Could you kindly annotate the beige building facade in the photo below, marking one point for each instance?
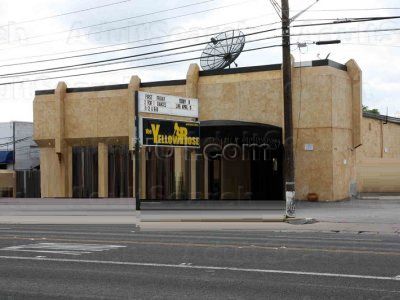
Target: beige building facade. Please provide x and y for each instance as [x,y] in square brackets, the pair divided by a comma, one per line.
[378,160]
[86,137]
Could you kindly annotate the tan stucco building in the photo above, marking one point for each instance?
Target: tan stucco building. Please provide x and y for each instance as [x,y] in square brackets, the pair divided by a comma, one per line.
[86,137]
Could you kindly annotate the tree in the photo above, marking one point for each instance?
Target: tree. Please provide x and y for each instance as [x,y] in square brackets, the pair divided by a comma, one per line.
[371,110]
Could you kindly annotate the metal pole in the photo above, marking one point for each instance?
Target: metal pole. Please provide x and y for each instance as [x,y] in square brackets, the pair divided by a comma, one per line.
[137,154]
[14,146]
[287,99]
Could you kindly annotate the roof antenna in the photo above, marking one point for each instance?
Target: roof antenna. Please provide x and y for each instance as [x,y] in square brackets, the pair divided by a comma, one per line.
[387,117]
[329,54]
[222,50]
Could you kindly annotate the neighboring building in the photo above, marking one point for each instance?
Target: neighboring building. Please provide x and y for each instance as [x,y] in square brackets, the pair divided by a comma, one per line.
[18,151]
[378,160]
[86,137]
[19,154]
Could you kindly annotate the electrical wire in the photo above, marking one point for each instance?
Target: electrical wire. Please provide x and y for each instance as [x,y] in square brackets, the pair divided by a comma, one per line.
[118,20]
[187,46]
[337,21]
[348,20]
[352,9]
[346,32]
[132,48]
[16,141]
[132,56]
[142,40]
[36,72]
[184,60]
[125,68]
[133,25]
[371,45]
[69,13]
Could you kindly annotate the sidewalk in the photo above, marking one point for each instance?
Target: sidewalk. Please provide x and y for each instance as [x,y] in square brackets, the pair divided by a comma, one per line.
[67,211]
[371,216]
[380,215]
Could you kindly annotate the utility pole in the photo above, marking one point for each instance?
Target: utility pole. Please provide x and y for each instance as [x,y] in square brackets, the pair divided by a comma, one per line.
[287,103]
[288,167]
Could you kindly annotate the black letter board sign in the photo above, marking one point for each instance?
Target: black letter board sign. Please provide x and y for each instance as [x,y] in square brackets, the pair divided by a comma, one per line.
[171,133]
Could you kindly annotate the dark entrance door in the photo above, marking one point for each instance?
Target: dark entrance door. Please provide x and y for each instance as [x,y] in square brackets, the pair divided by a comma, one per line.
[266,177]
[244,160]
[214,178]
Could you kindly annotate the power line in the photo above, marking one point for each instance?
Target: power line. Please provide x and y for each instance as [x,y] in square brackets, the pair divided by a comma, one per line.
[184,60]
[147,39]
[373,45]
[16,141]
[349,20]
[337,21]
[36,72]
[131,56]
[128,48]
[69,13]
[119,20]
[125,68]
[142,40]
[346,32]
[176,48]
[355,9]
[133,25]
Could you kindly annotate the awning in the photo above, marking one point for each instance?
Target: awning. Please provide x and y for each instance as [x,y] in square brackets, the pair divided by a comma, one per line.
[6,157]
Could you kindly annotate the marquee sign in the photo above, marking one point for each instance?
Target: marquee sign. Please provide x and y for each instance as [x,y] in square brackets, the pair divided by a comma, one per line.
[168,105]
[171,133]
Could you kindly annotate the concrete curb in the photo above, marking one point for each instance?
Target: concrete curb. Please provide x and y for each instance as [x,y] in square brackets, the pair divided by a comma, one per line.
[283,219]
[216,220]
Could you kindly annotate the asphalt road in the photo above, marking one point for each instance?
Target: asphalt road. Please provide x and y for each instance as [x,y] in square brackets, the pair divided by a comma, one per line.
[122,262]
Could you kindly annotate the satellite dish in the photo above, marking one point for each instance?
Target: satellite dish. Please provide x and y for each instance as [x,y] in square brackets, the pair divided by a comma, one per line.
[222,51]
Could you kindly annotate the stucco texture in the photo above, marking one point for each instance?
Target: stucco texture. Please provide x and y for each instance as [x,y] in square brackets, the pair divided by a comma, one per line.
[326,105]
[378,159]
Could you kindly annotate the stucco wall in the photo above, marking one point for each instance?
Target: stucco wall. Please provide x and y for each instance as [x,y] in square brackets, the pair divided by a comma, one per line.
[378,159]
[248,97]
[323,101]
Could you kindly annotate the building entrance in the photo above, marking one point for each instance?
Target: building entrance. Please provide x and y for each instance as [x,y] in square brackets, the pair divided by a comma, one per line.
[236,161]
[242,161]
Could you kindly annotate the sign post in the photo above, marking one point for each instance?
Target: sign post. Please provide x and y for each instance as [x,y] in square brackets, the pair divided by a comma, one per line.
[137,149]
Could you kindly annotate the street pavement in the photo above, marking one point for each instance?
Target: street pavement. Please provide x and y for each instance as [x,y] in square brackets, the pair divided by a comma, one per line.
[124,262]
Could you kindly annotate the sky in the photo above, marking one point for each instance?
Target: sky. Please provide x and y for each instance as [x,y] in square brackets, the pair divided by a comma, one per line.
[48,29]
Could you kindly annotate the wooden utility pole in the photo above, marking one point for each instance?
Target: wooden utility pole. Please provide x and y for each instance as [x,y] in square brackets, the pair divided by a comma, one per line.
[287,100]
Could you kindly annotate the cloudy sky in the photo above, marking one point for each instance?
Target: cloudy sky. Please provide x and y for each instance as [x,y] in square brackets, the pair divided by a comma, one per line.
[53,29]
